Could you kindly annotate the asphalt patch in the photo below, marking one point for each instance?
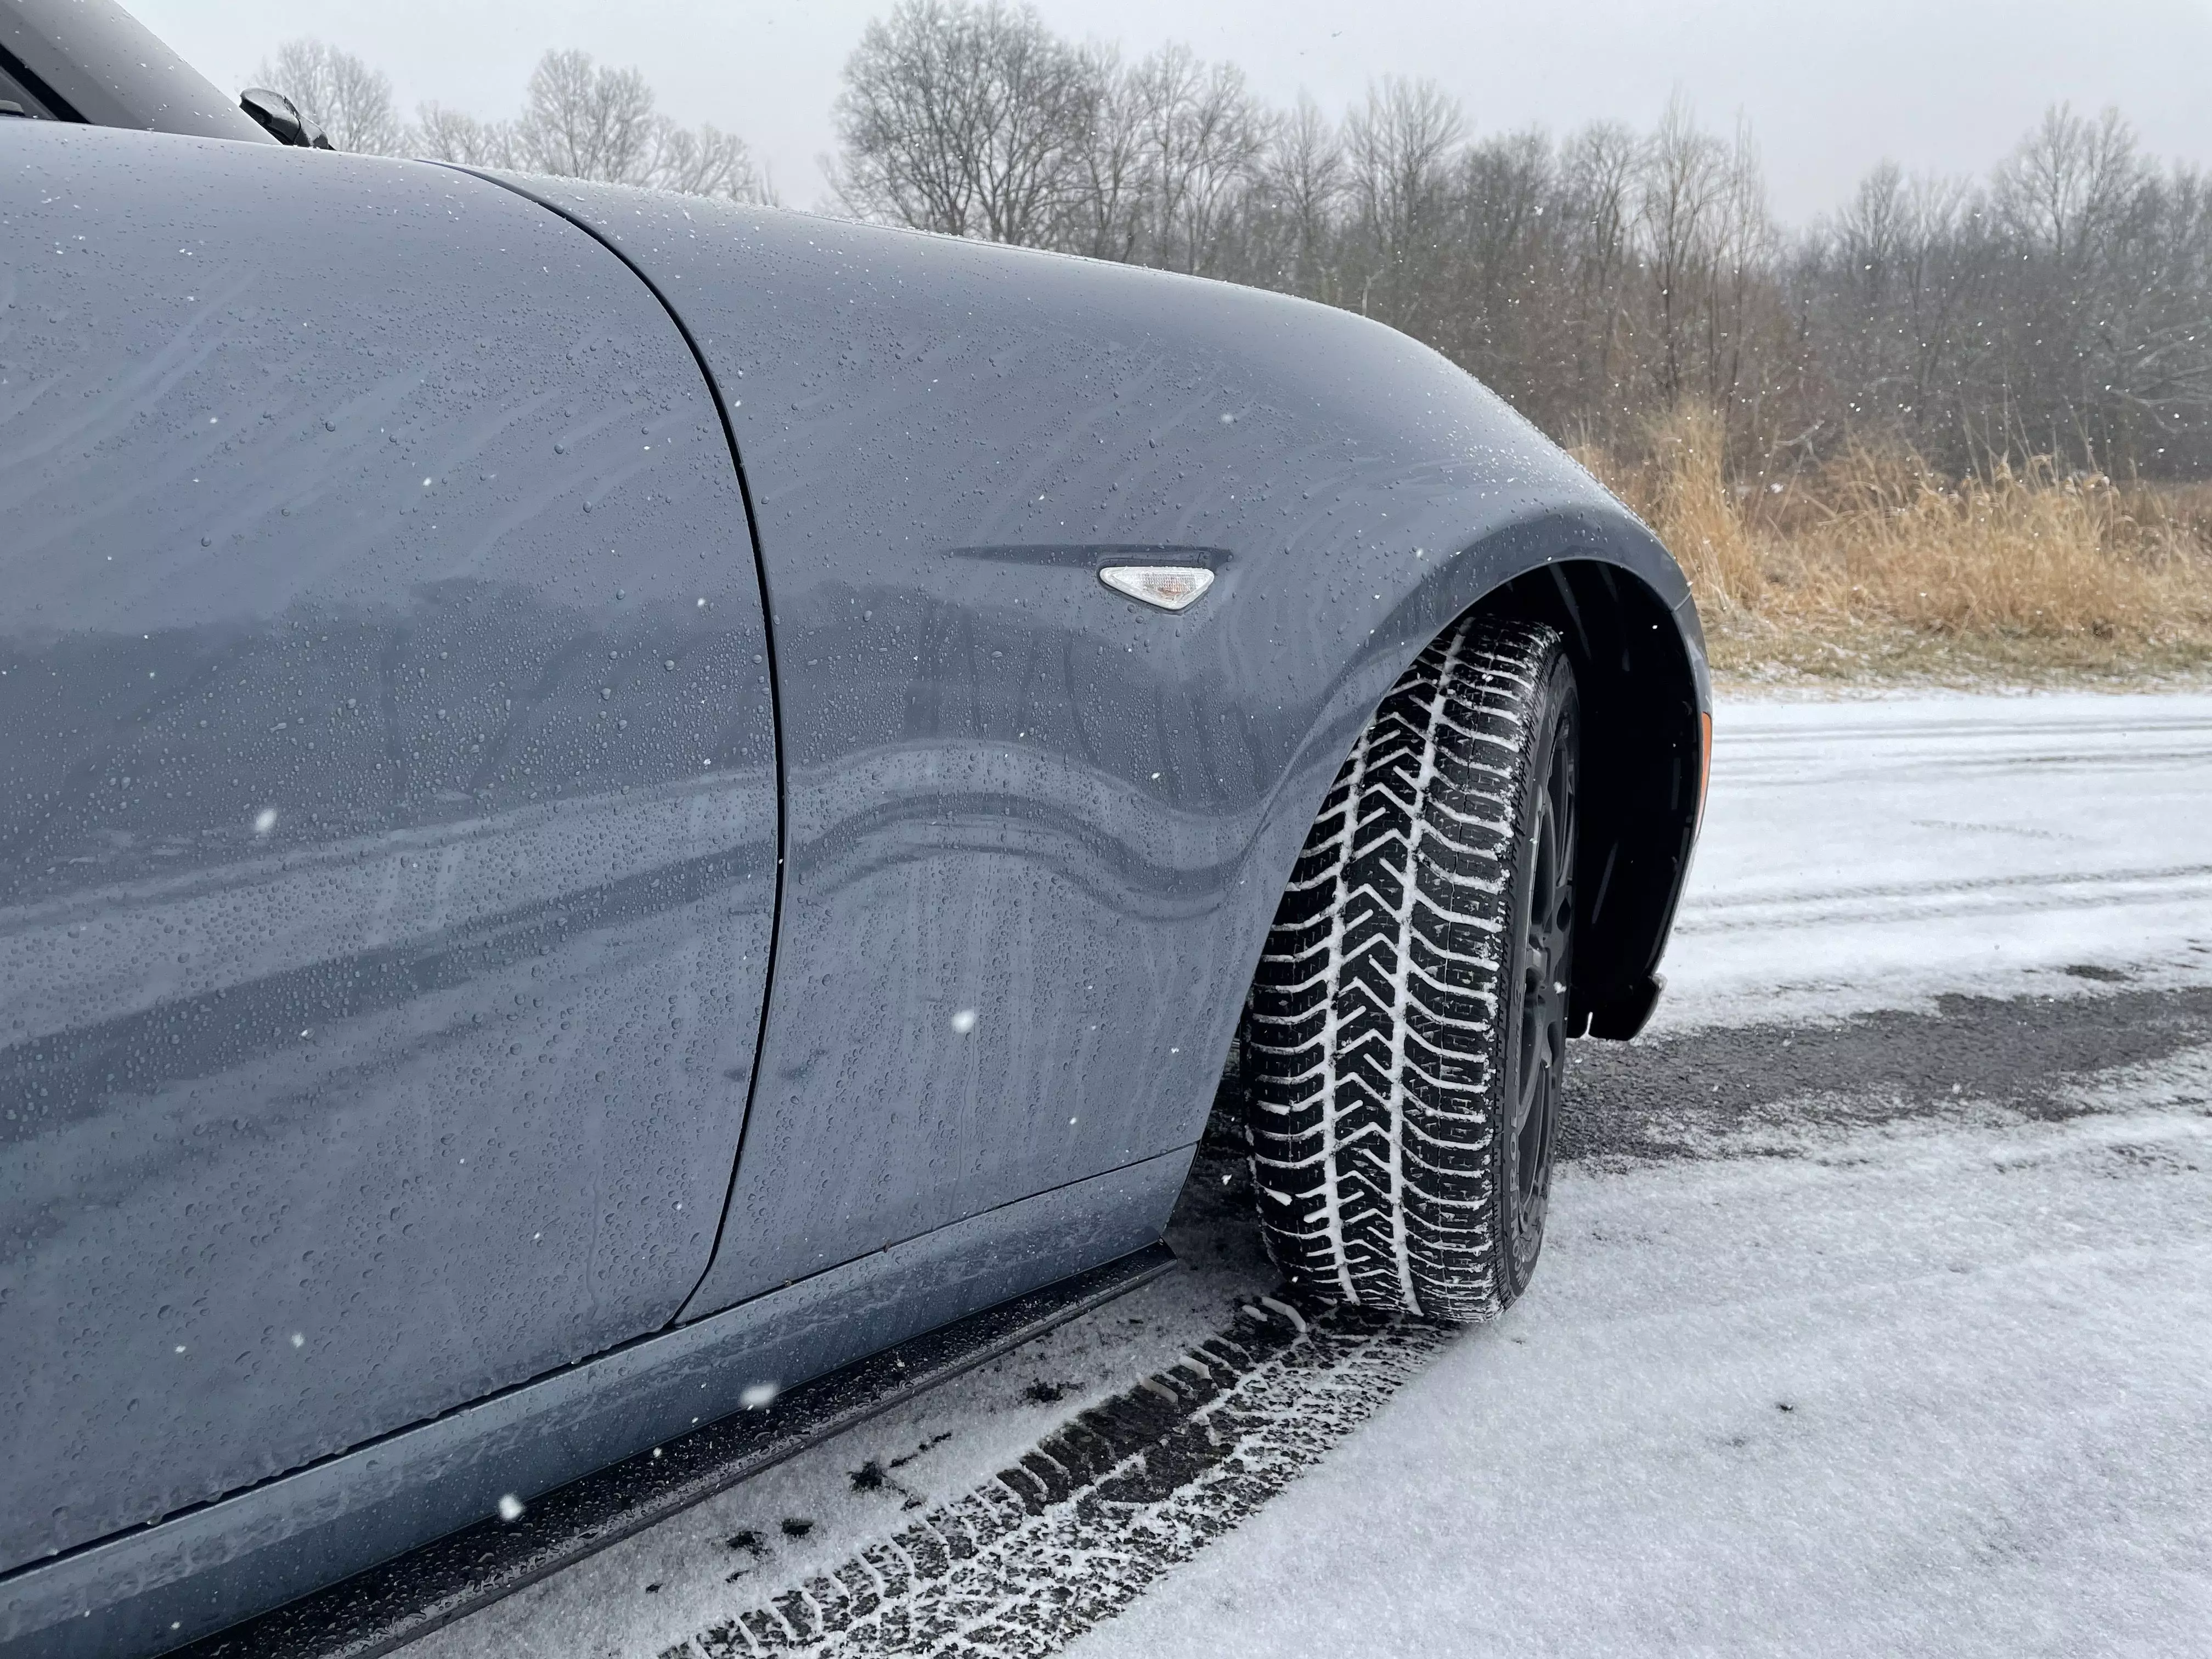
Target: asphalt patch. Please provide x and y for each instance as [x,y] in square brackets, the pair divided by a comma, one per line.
[1673,1095]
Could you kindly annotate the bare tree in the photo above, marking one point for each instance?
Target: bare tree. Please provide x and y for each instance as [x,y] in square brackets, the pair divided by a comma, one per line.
[1888,281]
[1200,137]
[1595,209]
[351,102]
[2083,211]
[582,119]
[2071,185]
[704,161]
[2061,307]
[966,118]
[1109,181]
[1685,183]
[449,135]
[1302,174]
[585,120]
[1739,302]
[1399,146]
[1500,259]
[2064,308]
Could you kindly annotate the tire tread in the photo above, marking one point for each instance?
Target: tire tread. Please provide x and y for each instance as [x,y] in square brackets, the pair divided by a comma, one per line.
[1371,1048]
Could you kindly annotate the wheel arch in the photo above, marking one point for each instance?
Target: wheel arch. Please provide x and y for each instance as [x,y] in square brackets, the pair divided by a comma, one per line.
[1624,612]
[1630,631]
[1645,716]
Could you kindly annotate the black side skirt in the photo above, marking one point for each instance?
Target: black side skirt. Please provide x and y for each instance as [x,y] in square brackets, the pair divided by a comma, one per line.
[407,1597]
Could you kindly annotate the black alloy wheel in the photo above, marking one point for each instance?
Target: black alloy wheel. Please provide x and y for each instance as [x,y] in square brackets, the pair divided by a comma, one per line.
[1547,884]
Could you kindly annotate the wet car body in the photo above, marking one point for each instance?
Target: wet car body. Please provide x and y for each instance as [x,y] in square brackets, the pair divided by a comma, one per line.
[583,840]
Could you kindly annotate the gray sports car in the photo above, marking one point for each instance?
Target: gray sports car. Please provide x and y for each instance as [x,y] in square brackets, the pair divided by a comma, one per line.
[614,802]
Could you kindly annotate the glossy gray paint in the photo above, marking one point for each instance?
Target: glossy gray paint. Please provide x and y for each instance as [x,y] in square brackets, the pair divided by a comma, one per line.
[1011,790]
[388,828]
[206,1570]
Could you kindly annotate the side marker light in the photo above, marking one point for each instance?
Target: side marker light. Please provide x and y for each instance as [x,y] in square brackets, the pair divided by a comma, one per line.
[1167,586]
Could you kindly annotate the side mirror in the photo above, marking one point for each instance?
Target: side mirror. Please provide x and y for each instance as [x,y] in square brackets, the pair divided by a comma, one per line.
[282,118]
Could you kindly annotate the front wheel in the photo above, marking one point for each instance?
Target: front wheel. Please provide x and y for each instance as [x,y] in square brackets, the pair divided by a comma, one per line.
[1405,1051]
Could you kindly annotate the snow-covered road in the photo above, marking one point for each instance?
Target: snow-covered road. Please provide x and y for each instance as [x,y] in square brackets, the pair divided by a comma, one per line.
[1865,854]
[1941,1390]
[1877,1316]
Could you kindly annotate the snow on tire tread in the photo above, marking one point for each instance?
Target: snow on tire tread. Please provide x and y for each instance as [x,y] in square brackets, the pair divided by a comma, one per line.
[1370,1049]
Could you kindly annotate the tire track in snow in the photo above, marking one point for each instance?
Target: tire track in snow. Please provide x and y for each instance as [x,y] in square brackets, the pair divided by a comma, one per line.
[1077,1530]
[1990,895]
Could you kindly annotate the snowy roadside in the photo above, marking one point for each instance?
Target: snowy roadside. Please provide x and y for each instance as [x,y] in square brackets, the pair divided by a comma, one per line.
[1876,854]
[1928,1391]
[1916,1150]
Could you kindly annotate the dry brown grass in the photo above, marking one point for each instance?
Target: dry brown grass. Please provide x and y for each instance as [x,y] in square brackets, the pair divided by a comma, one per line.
[1875,565]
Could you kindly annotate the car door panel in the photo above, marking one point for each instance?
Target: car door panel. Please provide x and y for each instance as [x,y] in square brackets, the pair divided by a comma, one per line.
[388,853]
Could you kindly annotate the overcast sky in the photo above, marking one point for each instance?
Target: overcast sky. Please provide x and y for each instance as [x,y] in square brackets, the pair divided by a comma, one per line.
[1829,89]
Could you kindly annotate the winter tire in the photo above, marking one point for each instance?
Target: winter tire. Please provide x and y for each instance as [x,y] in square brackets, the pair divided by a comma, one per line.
[1405,1050]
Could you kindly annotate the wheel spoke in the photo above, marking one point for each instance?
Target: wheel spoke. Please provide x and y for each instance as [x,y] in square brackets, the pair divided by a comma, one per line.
[1543,1031]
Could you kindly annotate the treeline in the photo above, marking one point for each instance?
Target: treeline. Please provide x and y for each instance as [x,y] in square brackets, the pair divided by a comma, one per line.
[2061,307]
[579,119]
